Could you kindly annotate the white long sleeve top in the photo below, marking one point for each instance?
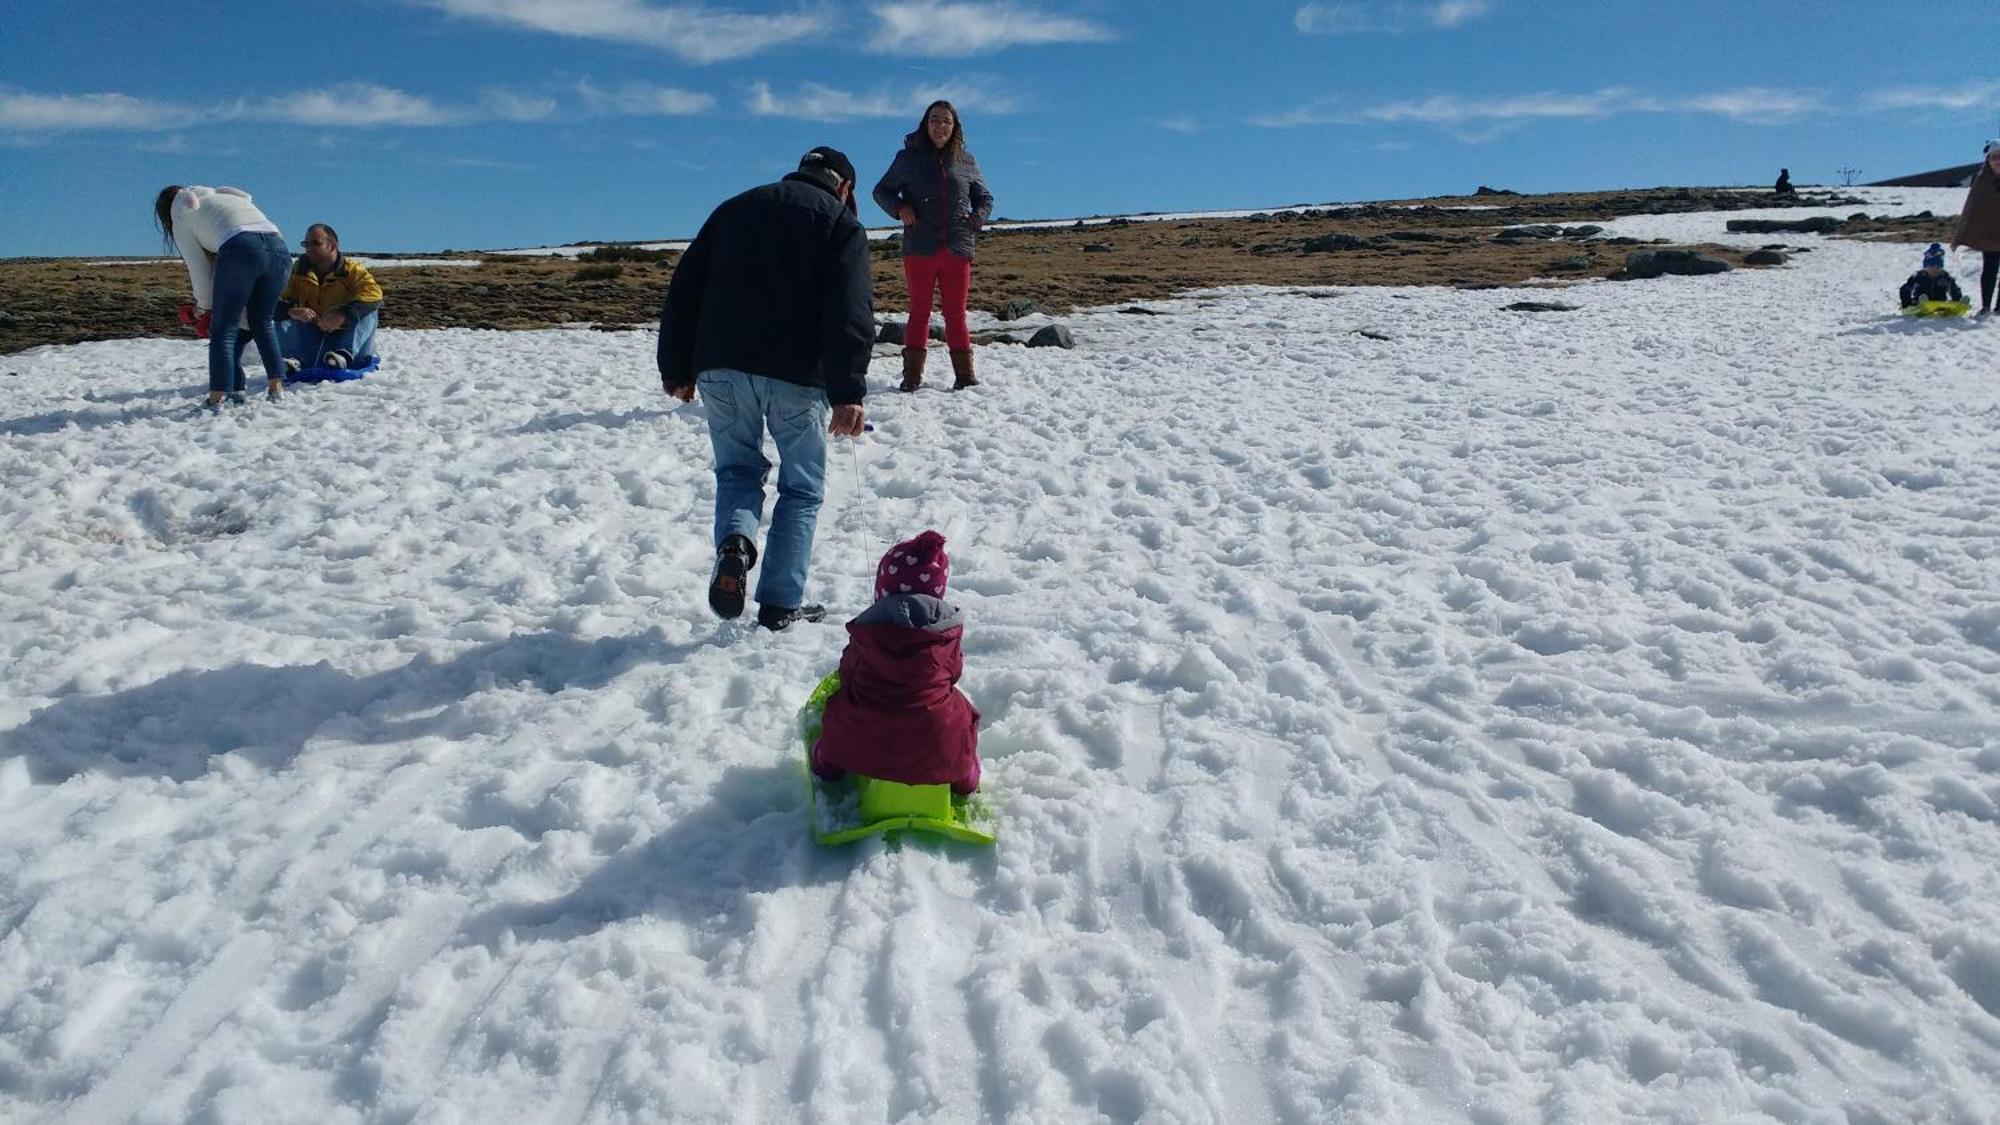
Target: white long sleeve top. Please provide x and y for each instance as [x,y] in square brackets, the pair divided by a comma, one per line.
[205,218]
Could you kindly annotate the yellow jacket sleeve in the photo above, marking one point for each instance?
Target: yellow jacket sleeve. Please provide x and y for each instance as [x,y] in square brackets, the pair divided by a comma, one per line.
[363,284]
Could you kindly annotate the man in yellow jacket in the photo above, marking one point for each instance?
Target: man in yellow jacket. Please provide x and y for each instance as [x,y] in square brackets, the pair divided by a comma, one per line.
[328,311]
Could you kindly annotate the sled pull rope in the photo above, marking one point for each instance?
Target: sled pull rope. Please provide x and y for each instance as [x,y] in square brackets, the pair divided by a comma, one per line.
[854,528]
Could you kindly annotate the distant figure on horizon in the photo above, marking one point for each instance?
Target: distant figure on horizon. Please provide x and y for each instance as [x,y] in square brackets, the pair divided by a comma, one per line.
[236,261]
[1784,184]
[935,188]
[771,313]
[1979,223]
[1931,283]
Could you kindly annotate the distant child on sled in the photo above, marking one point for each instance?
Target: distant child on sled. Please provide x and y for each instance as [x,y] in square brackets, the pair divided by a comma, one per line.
[1930,283]
[899,715]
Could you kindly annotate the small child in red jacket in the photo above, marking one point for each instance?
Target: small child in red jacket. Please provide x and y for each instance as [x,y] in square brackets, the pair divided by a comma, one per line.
[899,715]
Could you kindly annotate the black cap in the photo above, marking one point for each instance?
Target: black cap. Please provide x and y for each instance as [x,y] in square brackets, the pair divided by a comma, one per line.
[825,159]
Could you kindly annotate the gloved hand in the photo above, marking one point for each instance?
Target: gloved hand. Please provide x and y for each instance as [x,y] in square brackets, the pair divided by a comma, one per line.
[197,321]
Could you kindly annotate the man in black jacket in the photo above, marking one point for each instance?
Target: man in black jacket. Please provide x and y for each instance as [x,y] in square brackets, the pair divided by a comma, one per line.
[771,313]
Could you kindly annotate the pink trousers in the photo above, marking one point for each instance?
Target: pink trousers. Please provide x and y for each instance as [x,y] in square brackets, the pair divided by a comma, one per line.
[953,276]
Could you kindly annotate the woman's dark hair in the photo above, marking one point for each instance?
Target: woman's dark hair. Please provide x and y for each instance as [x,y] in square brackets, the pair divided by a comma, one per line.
[956,145]
[163,211]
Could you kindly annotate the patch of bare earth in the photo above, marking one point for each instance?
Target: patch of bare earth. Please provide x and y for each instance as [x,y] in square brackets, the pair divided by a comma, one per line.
[1420,242]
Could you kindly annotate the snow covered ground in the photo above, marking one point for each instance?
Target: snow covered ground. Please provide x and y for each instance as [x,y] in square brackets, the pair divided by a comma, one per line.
[1565,717]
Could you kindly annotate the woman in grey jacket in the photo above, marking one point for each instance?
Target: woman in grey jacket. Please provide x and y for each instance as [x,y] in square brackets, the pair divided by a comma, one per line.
[935,188]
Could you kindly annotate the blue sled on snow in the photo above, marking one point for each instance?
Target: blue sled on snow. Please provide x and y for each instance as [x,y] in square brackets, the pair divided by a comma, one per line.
[334,374]
[856,806]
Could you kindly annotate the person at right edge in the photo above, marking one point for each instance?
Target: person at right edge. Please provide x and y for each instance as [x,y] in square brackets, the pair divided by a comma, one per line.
[1979,223]
[935,189]
[771,315]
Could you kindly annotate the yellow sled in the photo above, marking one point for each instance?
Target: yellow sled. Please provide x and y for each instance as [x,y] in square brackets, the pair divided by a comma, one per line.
[1939,309]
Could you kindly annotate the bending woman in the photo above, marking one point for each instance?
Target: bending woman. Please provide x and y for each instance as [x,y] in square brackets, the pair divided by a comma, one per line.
[1979,223]
[237,262]
[935,188]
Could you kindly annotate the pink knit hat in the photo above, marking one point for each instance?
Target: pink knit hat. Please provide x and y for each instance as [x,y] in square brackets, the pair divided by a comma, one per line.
[914,566]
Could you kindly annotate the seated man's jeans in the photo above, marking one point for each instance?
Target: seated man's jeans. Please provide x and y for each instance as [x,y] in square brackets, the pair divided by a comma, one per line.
[307,344]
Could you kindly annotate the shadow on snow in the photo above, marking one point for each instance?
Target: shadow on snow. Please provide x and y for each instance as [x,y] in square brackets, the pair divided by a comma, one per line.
[174,725]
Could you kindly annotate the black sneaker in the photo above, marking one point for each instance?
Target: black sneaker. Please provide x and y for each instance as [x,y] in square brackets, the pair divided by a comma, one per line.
[730,584]
[236,398]
[338,360]
[775,618]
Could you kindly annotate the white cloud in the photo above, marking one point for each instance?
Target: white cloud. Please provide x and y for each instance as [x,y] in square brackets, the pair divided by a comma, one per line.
[815,102]
[1451,109]
[939,29]
[1979,95]
[641,99]
[1451,13]
[1186,125]
[1448,109]
[354,106]
[696,34]
[1751,105]
[72,112]
[1393,18]
[512,105]
[480,162]
[1754,104]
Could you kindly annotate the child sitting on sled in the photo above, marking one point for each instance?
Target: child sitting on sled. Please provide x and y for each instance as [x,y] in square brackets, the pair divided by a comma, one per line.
[899,715]
[1930,283]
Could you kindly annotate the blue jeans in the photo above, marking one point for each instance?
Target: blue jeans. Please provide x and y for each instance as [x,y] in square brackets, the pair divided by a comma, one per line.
[307,344]
[740,407]
[250,272]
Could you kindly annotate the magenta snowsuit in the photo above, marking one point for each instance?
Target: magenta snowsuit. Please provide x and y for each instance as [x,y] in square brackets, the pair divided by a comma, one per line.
[899,715]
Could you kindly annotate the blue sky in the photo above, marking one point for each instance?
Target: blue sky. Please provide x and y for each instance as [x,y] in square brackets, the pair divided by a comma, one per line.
[471,124]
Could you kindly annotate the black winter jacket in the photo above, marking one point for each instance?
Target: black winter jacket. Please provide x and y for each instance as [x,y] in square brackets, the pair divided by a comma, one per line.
[951,202]
[776,284]
[1924,287]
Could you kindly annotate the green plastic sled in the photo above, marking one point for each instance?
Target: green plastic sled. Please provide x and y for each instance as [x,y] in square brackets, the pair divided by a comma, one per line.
[856,806]
[1938,308]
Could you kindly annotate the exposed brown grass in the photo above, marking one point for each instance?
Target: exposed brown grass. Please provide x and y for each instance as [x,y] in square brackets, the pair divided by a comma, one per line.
[58,301]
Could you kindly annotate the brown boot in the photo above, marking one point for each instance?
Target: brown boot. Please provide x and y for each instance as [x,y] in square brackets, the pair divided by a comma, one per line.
[913,368]
[961,366]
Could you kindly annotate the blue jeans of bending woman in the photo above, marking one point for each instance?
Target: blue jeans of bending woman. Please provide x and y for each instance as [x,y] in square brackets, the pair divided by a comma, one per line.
[740,408]
[250,272]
